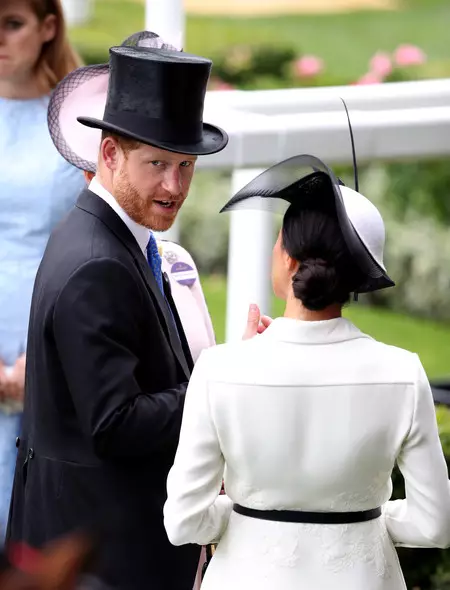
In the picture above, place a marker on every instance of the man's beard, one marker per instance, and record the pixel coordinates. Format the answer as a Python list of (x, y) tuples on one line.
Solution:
[(138, 208)]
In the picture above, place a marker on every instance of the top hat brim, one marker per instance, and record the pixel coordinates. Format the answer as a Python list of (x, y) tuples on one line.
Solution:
[(300, 180), (213, 139)]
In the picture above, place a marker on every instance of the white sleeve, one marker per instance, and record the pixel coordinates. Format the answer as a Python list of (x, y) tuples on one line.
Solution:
[(195, 512), (423, 518)]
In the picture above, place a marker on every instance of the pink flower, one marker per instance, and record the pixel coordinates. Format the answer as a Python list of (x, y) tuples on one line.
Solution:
[(218, 84), (369, 78), (381, 64), (409, 55), (308, 66)]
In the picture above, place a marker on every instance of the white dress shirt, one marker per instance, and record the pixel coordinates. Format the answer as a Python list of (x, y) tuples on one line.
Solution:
[(141, 233)]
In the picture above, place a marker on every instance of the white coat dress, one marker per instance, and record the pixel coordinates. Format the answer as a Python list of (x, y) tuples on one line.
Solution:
[(308, 416)]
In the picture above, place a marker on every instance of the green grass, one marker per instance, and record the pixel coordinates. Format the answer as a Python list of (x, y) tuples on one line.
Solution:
[(430, 340), (345, 41)]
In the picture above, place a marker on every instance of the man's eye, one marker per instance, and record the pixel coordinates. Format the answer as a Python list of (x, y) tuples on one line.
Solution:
[(157, 163), (186, 164)]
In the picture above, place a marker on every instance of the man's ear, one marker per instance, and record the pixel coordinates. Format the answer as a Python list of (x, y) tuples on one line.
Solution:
[(110, 151)]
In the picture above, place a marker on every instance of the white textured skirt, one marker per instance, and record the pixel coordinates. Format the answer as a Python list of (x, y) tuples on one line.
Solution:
[(267, 555)]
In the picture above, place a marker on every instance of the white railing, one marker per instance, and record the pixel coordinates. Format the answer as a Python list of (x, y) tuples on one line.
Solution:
[(397, 120)]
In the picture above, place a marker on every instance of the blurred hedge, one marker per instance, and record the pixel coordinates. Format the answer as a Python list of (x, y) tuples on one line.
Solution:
[(426, 569)]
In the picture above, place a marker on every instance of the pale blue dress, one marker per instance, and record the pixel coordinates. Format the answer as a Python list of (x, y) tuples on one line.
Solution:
[(37, 189)]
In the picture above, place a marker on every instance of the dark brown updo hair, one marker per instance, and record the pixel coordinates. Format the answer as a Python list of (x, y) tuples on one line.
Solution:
[(327, 274)]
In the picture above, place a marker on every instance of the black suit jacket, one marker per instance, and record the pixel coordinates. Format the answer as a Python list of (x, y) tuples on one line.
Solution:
[(105, 383)]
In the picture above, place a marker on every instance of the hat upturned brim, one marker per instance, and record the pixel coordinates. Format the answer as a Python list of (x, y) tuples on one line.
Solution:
[(300, 180), (214, 139), (84, 89)]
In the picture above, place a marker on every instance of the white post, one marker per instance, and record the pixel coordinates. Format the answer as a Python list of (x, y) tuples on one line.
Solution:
[(166, 18), (77, 12), (249, 260)]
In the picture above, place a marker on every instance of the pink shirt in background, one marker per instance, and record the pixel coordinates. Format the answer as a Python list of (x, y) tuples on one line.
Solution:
[(191, 305), (188, 296)]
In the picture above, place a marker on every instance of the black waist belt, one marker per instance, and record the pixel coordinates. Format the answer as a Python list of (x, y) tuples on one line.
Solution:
[(309, 517)]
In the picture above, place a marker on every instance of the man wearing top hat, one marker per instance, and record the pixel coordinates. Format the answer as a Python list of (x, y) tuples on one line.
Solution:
[(107, 358)]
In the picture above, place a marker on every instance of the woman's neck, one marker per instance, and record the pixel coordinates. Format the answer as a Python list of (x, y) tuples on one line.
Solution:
[(20, 89), (295, 310)]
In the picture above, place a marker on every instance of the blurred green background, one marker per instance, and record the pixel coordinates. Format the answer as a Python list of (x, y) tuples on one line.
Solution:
[(345, 41)]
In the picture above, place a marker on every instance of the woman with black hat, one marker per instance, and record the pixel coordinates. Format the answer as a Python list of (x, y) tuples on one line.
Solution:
[(306, 421)]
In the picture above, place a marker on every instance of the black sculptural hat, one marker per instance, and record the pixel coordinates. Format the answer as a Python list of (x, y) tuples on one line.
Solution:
[(149, 91), (309, 183)]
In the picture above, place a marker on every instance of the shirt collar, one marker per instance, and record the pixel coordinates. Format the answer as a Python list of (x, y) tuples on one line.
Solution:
[(141, 233), (323, 332)]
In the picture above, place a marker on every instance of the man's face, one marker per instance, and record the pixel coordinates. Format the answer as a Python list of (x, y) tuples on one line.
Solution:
[(151, 184)]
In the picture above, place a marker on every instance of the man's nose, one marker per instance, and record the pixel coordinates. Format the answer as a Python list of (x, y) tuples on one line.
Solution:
[(172, 181)]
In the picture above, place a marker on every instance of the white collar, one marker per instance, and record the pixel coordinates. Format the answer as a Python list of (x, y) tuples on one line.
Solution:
[(141, 233), (323, 332)]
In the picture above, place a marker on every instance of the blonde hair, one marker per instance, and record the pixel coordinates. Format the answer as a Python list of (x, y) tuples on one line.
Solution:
[(58, 58)]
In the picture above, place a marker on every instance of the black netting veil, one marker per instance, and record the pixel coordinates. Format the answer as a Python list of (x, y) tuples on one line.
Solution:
[(70, 83), (75, 80)]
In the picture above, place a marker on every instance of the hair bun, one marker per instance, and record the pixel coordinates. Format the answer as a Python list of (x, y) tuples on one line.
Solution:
[(316, 284)]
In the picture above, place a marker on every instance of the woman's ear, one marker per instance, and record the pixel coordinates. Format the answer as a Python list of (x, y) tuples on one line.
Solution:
[(48, 28), (291, 264)]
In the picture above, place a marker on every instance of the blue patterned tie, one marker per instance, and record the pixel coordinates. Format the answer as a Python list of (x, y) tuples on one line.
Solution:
[(155, 262)]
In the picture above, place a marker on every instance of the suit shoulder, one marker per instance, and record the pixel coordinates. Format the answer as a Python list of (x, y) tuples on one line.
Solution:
[(102, 284), (102, 270), (83, 237)]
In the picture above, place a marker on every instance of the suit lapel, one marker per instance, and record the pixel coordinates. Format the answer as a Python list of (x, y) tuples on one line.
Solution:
[(179, 326), (93, 204)]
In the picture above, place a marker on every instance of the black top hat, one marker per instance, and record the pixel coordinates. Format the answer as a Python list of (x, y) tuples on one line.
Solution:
[(157, 97)]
